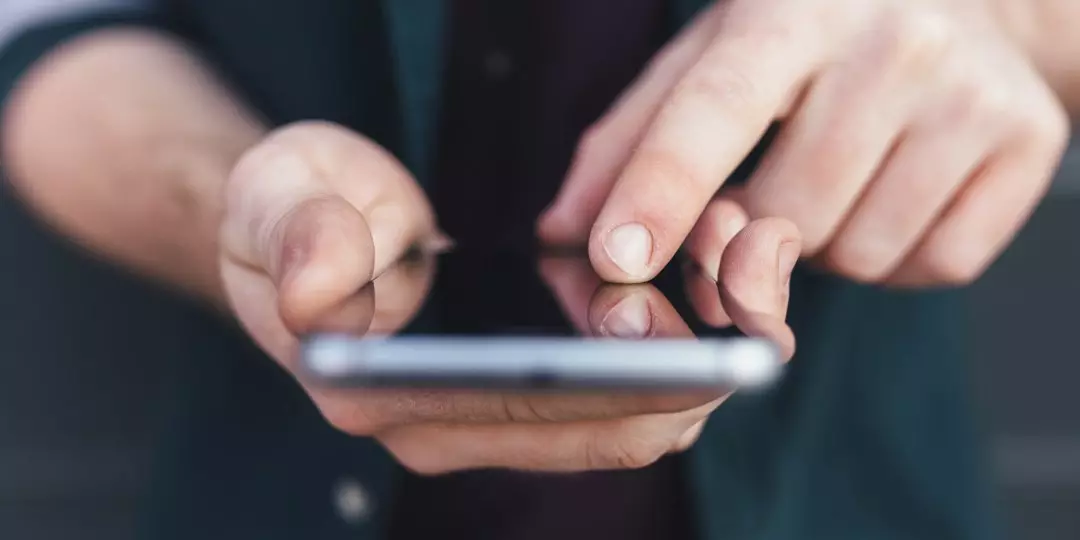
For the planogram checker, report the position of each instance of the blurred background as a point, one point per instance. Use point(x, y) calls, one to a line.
point(1024, 330)
point(88, 355)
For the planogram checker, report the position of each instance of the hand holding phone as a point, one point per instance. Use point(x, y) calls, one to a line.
point(631, 338)
point(434, 430)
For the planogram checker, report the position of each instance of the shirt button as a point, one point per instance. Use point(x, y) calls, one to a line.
point(352, 501)
point(498, 65)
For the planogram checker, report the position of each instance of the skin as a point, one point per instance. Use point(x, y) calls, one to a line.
point(554, 434)
point(905, 160)
point(288, 229)
point(291, 257)
point(433, 431)
point(918, 136)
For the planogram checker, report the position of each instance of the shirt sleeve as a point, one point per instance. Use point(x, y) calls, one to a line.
point(31, 28)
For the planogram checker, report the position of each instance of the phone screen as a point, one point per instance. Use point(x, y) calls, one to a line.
point(490, 293)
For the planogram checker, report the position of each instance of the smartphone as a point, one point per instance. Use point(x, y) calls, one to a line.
point(533, 321)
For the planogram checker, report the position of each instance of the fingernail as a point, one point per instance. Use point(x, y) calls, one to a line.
point(629, 247)
point(789, 255)
point(630, 318)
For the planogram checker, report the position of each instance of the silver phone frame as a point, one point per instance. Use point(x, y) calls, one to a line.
point(538, 363)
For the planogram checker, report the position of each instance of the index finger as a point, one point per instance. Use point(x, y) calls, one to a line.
point(709, 124)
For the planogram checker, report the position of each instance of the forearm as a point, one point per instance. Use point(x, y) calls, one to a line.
point(1048, 29)
point(122, 140)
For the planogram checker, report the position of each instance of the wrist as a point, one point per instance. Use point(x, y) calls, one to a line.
point(139, 177)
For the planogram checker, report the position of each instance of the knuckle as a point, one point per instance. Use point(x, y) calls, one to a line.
point(860, 261)
point(623, 452)
point(253, 161)
point(301, 144)
point(814, 231)
point(767, 204)
point(270, 159)
point(1051, 125)
point(676, 182)
point(719, 86)
point(985, 101)
point(327, 150)
point(769, 30)
point(948, 267)
point(841, 157)
point(916, 40)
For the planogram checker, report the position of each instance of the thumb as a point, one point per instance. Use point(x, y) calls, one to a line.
point(755, 277)
point(283, 220)
point(321, 210)
point(321, 254)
